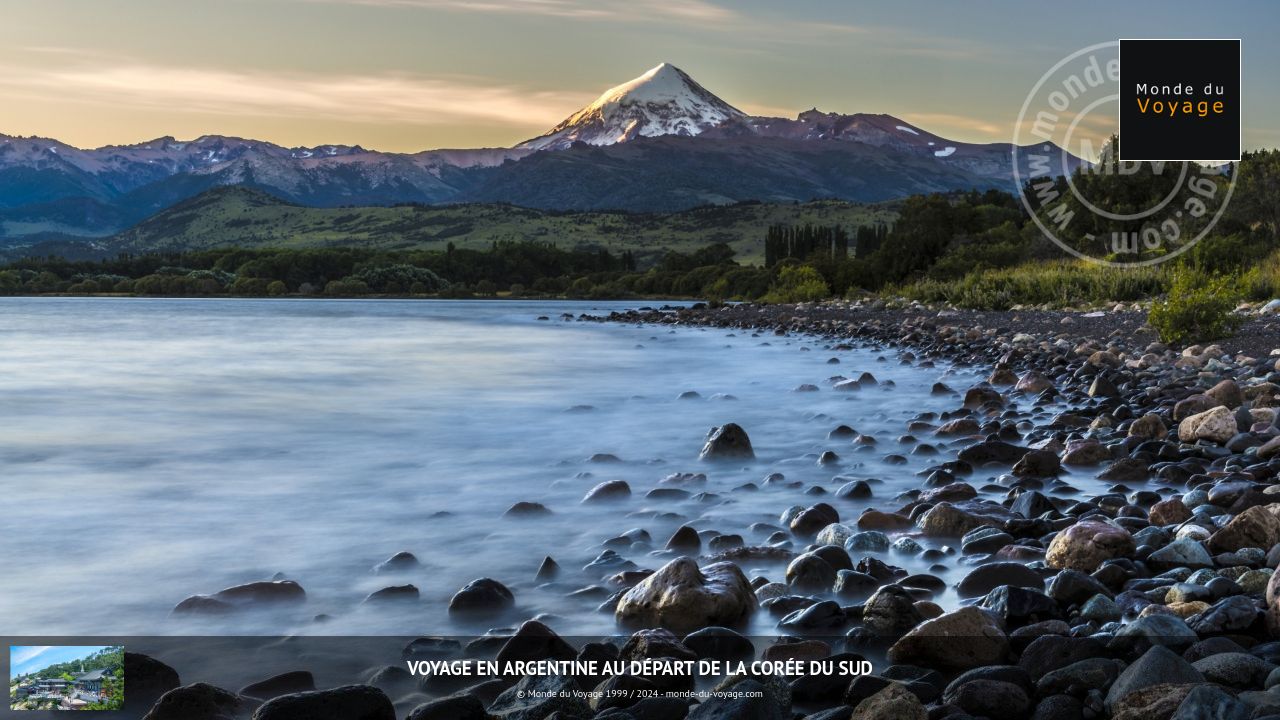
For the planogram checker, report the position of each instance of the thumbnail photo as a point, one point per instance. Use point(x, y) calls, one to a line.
point(66, 677)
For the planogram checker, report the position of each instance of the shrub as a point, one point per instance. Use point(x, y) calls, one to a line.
point(346, 287)
point(798, 283)
point(1197, 308)
point(397, 278)
point(277, 288)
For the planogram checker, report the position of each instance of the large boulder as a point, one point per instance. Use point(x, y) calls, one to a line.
point(250, 595)
point(947, 520)
point(1157, 666)
point(958, 640)
point(727, 442)
point(891, 611)
point(351, 702)
point(539, 696)
point(484, 596)
point(682, 597)
point(1256, 527)
point(148, 678)
point(894, 702)
point(198, 701)
point(1215, 425)
point(1085, 545)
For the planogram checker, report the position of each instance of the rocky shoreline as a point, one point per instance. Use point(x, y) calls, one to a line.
point(1152, 599)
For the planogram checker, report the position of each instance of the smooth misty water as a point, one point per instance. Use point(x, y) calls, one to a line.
point(155, 449)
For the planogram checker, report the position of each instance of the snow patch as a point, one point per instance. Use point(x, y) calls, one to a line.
point(944, 151)
point(904, 128)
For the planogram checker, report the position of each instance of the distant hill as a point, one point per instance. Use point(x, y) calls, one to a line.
point(245, 217)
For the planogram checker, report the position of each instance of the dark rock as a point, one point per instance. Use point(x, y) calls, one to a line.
point(282, 684)
point(458, 707)
point(198, 701)
point(727, 442)
point(1157, 666)
point(985, 578)
point(484, 596)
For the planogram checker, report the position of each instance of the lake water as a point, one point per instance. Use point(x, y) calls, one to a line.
point(156, 449)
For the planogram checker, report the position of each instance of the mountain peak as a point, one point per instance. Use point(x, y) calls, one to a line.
point(662, 101)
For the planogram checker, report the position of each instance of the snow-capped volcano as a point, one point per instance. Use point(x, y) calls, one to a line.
point(663, 101)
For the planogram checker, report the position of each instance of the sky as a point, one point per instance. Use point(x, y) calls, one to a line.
point(409, 75)
point(25, 659)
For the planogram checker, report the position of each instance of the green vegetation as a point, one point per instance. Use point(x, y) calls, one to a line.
point(106, 694)
point(1197, 308)
point(246, 218)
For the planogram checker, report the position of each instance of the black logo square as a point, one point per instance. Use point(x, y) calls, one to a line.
point(1180, 100)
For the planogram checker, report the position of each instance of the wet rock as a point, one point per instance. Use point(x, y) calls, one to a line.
point(484, 596)
point(1228, 615)
point(958, 640)
point(1080, 677)
point(1033, 383)
point(826, 615)
point(1217, 425)
point(199, 701)
point(1072, 587)
point(1209, 702)
point(393, 593)
point(979, 395)
point(1226, 393)
point(960, 426)
point(1169, 512)
point(993, 699)
point(720, 643)
point(810, 573)
point(992, 452)
point(1157, 701)
point(457, 707)
point(982, 540)
point(1017, 606)
point(1181, 553)
point(867, 541)
point(854, 585)
point(1156, 629)
point(535, 641)
point(1085, 452)
point(1256, 527)
point(685, 539)
point(894, 702)
point(527, 509)
point(148, 678)
point(1047, 653)
point(1148, 427)
point(890, 611)
point(1157, 666)
point(284, 683)
point(985, 578)
point(947, 520)
point(548, 570)
point(400, 562)
point(1085, 545)
point(1100, 609)
point(610, 490)
point(812, 519)
point(834, 534)
point(1235, 669)
point(247, 596)
point(879, 520)
point(682, 597)
point(1038, 464)
point(539, 696)
point(727, 442)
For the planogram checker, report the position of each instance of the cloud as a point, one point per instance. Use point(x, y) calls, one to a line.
point(392, 97)
point(617, 10)
point(20, 655)
point(933, 121)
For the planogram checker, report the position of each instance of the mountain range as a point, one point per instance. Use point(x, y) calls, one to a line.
point(658, 143)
